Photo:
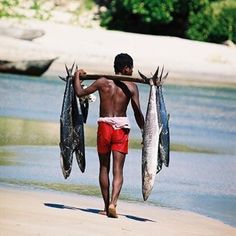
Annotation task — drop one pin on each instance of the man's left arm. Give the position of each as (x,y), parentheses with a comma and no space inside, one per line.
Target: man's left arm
(136,108)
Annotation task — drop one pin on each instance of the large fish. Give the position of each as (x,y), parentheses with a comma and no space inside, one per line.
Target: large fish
(150,144)
(151,161)
(71,129)
(164,150)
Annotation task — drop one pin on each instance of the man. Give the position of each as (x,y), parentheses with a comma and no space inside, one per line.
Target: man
(113,125)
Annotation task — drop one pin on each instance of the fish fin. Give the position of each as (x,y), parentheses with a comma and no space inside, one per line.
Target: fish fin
(67,70)
(142,76)
(72,67)
(161,73)
(162,78)
(155,76)
(165,76)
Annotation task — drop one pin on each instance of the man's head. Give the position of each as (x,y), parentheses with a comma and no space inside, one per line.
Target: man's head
(123,64)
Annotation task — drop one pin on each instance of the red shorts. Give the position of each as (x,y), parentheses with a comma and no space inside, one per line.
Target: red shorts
(111,139)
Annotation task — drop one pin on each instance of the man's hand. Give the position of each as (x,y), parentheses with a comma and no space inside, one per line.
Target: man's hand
(78,73)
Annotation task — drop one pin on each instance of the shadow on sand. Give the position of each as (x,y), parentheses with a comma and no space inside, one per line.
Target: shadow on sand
(94,211)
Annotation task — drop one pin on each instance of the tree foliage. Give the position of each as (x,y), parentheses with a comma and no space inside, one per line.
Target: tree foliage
(137,16)
(206,20)
(215,24)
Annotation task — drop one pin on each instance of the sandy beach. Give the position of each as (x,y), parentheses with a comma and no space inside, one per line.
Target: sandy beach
(27,212)
(94,49)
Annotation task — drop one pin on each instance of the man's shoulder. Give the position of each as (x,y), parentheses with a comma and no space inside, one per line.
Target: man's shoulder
(101,80)
(131,84)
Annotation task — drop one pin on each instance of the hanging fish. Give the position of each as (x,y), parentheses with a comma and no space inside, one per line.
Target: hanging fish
(71,129)
(164,150)
(151,136)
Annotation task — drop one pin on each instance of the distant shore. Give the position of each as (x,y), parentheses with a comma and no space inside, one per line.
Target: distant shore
(189,62)
(28,212)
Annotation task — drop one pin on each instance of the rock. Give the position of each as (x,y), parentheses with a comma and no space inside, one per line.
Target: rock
(20,33)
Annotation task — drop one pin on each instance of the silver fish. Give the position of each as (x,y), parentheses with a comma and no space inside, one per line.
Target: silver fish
(151,161)
(71,129)
(150,144)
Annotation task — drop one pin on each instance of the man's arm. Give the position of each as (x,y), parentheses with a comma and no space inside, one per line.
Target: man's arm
(136,108)
(80,91)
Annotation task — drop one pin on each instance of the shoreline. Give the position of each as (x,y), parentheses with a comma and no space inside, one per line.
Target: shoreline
(189,62)
(30,211)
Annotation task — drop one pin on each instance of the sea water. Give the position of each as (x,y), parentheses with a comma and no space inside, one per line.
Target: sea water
(202,183)
(203,117)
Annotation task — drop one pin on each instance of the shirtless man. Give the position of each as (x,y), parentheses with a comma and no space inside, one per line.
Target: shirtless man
(113,125)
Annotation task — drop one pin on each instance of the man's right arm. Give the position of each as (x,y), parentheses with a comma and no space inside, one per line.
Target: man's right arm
(80,91)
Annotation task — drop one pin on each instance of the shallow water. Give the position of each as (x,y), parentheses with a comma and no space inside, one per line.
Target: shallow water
(200,117)
(194,182)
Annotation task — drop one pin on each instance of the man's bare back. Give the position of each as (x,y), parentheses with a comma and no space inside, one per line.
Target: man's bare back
(114,97)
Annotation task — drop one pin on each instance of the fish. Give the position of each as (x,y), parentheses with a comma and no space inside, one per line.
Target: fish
(151,134)
(71,128)
(78,132)
(151,159)
(164,150)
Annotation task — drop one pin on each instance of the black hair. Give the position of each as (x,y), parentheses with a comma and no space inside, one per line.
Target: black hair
(122,60)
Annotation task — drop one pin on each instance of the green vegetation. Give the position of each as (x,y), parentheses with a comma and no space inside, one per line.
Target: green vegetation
(216,23)
(205,20)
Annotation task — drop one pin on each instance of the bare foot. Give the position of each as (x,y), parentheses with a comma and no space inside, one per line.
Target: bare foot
(112,211)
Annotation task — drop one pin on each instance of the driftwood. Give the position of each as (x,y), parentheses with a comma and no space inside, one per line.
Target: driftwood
(25,67)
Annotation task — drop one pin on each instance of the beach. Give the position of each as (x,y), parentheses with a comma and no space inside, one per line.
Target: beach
(94,49)
(26,212)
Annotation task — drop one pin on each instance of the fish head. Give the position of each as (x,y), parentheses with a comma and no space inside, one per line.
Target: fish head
(156,79)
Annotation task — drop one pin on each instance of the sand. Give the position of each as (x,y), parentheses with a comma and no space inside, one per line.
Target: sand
(28,212)
(188,62)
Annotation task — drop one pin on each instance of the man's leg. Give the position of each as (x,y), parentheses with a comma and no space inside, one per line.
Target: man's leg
(104,181)
(118,164)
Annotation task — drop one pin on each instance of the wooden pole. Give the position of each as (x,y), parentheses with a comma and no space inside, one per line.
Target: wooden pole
(113,77)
